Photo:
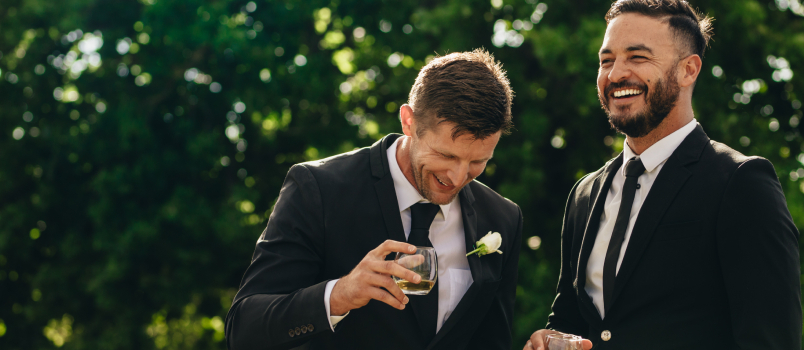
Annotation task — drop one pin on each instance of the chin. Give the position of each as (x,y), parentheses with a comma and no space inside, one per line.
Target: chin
(632,123)
(442,198)
(437,197)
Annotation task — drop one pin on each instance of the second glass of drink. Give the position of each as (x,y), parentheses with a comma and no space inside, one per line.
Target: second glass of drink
(564,342)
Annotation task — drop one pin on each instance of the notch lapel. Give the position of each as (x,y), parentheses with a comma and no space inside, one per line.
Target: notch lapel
(597,199)
(671,179)
(386,196)
(469,217)
(480,269)
(384,187)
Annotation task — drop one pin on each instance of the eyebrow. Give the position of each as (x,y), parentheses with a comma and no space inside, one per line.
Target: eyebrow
(638,47)
(454,156)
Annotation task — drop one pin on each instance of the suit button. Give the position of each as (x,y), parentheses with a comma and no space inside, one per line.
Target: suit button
(291,333)
(297,331)
(605,335)
(310,327)
(304,329)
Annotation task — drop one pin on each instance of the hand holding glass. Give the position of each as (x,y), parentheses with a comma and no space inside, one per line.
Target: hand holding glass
(560,341)
(424,262)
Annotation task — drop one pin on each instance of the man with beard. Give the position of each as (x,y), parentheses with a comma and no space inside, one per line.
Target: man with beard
(680,242)
(320,277)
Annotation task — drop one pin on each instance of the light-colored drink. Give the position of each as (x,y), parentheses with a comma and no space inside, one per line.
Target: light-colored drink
(420,288)
(424,262)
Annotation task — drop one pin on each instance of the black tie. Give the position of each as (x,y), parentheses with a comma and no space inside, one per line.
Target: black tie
(633,169)
(426,306)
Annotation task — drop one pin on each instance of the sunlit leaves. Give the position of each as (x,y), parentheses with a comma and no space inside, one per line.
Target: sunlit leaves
(59,331)
(322,18)
(332,39)
(343,60)
(265,75)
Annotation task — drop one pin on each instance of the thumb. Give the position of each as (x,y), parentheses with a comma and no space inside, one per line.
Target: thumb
(587,344)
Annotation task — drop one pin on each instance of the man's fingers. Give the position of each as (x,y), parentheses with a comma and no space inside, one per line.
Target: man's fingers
(391,268)
(385,297)
(391,246)
(389,285)
(537,339)
(411,261)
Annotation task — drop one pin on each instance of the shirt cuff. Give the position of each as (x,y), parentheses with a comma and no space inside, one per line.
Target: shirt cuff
(333,320)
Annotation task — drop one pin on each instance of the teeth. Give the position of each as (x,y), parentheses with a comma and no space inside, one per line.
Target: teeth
(439,181)
(627,92)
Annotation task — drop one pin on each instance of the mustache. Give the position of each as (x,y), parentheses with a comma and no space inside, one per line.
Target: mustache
(623,85)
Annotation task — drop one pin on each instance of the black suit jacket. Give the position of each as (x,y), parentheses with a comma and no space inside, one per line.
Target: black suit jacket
(329,215)
(712,263)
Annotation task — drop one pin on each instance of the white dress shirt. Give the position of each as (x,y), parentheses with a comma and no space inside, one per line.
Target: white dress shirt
(653,159)
(447,236)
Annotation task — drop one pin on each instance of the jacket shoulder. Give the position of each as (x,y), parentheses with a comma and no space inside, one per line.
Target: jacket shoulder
(344,166)
(483,193)
(725,154)
(727,160)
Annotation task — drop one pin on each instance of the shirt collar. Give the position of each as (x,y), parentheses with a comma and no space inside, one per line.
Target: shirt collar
(658,153)
(406,194)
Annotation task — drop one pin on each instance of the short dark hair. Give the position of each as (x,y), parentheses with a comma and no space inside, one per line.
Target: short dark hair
(469,89)
(689,26)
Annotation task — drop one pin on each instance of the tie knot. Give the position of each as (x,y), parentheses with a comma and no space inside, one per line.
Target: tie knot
(634,167)
(422,215)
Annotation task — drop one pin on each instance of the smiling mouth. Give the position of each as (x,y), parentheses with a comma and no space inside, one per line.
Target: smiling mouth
(626,93)
(441,182)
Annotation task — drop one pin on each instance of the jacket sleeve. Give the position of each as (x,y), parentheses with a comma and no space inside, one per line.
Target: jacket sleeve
(566,316)
(281,290)
(759,255)
(494,332)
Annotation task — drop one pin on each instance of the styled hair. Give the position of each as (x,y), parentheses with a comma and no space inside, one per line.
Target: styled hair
(468,89)
(690,27)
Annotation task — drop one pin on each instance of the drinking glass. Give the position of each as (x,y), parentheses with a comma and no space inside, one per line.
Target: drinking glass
(423,262)
(564,342)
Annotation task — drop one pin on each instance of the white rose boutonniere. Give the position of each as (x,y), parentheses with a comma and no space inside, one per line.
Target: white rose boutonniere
(490,243)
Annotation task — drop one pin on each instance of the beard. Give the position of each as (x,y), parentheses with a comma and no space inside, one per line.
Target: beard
(422,183)
(659,102)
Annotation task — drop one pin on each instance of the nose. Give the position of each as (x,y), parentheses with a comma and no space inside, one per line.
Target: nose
(619,72)
(458,174)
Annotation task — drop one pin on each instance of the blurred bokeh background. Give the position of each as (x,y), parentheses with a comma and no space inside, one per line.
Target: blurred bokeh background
(144,142)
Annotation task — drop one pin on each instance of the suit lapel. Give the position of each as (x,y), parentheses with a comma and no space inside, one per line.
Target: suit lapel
(386,195)
(469,217)
(597,199)
(480,269)
(671,179)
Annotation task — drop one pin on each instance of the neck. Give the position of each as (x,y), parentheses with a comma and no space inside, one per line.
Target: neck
(677,118)
(403,159)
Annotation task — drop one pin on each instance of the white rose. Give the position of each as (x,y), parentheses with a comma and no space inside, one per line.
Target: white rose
(492,241)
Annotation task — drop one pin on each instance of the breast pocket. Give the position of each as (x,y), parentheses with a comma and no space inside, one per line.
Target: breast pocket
(460,280)
(678,230)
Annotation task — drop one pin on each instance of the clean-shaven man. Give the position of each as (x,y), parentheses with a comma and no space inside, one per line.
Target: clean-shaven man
(680,242)
(320,277)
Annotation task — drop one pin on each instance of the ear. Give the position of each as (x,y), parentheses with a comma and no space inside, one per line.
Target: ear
(689,68)
(408,122)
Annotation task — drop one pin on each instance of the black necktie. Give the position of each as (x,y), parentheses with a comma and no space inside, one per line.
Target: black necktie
(633,169)
(426,306)
(421,216)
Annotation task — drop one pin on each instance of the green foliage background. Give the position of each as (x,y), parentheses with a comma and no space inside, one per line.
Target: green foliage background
(131,194)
